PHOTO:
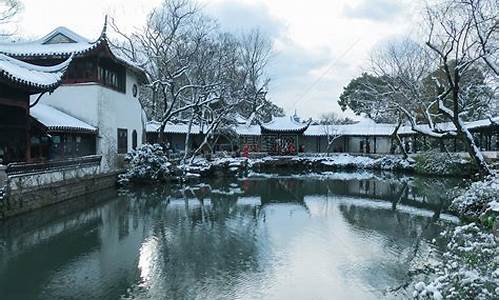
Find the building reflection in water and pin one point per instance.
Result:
(252, 238)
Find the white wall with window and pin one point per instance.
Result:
(108, 109)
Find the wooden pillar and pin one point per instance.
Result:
(296, 144)
(27, 129)
(374, 144)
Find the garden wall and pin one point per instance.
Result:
(56, 182)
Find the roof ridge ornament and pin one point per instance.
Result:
(104, 29)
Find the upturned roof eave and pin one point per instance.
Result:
(17, 81)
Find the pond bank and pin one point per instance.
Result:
(227, 238)
(471, 250)
(149, 164)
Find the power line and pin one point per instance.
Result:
(332, 64)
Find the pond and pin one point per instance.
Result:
(266, 236)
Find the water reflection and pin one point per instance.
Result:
(335, 235)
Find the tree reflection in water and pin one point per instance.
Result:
(249, 238)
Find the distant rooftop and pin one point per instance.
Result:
(287, 123)
(364, 128)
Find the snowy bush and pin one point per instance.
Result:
(468, 270)
(438, 163)
(393, 163)
(347, 161)
(479, 200)
(146, 163)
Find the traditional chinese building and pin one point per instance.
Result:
(365, 137)
(100, 89)
(281, 135)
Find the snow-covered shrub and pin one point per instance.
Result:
(479, 200)
(438, 163)
(226, 166)
(146, 163)
(393, 163)
(468, 270)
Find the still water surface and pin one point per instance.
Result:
(335, 236)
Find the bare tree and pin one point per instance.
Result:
(254, 53)
(332, 133)
(8, 10)
(335, 118)
(484, 17)
(440, 82)
(453, 38)
(165, 48)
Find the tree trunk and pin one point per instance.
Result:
(401, 146)
(161, 133)
(396, 137)
(328, 148)
(472, 149)
(186, 142)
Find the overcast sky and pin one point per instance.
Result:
(319, 45)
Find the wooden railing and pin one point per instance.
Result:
(51, 165)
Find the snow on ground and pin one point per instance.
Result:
(359, 162)
(469, 266)
(468, 270)
(149, 162)
(479, 199)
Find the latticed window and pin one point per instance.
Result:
(112, 77)
(122, 140)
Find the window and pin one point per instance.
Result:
(81, 70)
(122, 140)
(134, 139)
(112, 76)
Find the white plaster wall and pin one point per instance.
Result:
(118, 110)
(383, 144)
(77, 100)
(105, 109)
(353, 143)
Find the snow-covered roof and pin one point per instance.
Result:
(48, 46)
(154, 126)
(62, 42)
(449, 126)
(286, 123)
(57, 120)
(481, 123)
(247, 130)
(239, 119)
(35, 77)
(358, 129)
